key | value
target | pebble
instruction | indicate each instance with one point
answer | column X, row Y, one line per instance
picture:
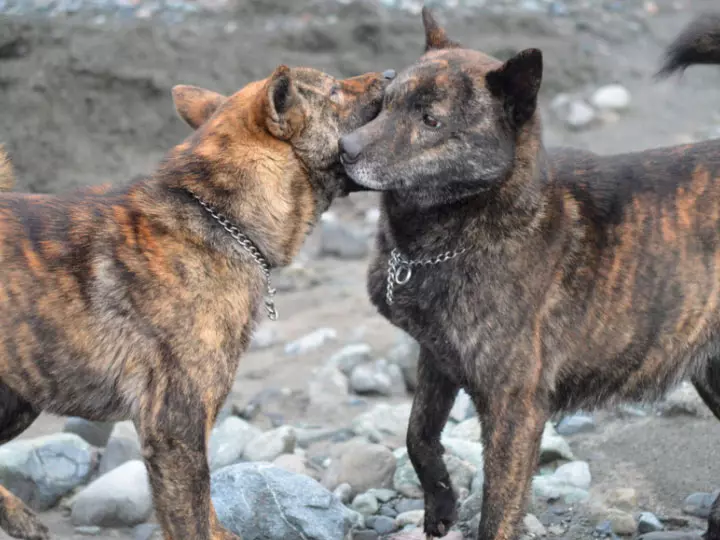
column 366, row 534
column 351, row 356
column 613, row 97
column 383, row 495
column 576, row 473
column 328, row 387
column 228, row 441
column 671, row 535
column 383, row 422
column 622, row 498
column 378, row 378
column 361, row 464
column 310, row 342
column 569, row 482
column 271, row 444
column 88, row 530
column 553, row 446
column 264, row 337
column 120, row 498
column 579, row 115
column 259, row 500
column 413, row 517
column 621, row 522
column 467, row 430
column 42, row 470
column 123, row 446
column 699, row 504
column 648, row 522
column 365, row 504
column 576, row 423
column 381, row 524
column 295, row 463
column 340, row 240
column 683, row 401
column 406, row 505
column 533, row 526
column 470, row 507
column 469, row 451
column 344, row 493
column 95, row 433
column 147, row 531
column 405, row 355
column 462, row 408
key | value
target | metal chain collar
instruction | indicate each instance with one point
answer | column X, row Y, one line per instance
column 400, row 269
column 250, row 248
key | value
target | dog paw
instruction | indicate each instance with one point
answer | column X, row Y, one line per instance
column 440, row 513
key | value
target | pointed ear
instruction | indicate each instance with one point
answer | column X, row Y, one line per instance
column 435, row 35
column 195, row 105
column 282, row 97
column 517, row 82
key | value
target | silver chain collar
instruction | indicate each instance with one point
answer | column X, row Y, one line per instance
column 250, row 248
column 400, row 269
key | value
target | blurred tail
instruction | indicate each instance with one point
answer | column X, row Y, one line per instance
column 698, row 43
column 7, row 176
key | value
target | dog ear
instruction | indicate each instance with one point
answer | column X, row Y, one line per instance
column 435, row 35
column 282, row 98
column 195, row 105
column 517, row 82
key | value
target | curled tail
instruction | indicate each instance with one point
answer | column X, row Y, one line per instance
column 698, row 43
column 7, row 176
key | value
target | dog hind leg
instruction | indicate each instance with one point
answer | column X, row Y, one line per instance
column 16, row 519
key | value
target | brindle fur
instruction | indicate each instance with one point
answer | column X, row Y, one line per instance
column 134, row 303
column 586, row 279
column 7, row 176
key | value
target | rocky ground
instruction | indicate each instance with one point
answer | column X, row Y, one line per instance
column 324, row 394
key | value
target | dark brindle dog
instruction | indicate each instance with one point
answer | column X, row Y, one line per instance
column 537, row 282
column 137, row 302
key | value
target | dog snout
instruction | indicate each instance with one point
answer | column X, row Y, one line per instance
column 389, row 74
column 350, row 149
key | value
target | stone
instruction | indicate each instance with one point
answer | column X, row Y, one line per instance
column 264, row 337
column 365, row 504
column 699, row 504
column 259, row 500
column 576, row 423
column 570, row 483
column 381, row 524
column 362, row 465
column 383, row 495
column 418, row 534
column 340, row 240
column 383, row 422
column 42, row 470
column 575, row 473
column 405, row 355
column 271, row 444
column 622, row 498
column 462, row 408
column 351, row 356
column 328, row 387
column 671, row 535
column 366, row 534
column 648, row 522
column 471, row 452
column 413, row 517
column 683, row 401
column 406, row 482
column 579, row 115
column 228, row 441
column 344, row 493
column 553, row 446
column 613, row 97
column 123, row 446
column 621, row 522
column 95, row 433
column 378, row 378
column 353, row 520
column 294, row 464
column 533, row 527
column 120, row 498
column 310, row 342
column 470, row 507
column 147, row 531
column 467, row 430
column 478, row 482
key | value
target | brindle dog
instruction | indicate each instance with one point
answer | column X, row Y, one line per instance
column 137, row 302
column 538, row 282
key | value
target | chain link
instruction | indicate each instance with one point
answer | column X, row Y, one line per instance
column 400, row 269
column 250, row 248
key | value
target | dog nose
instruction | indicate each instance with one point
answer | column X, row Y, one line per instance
column 389, row 74
column 350, row 149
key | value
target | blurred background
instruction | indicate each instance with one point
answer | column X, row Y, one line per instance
column 325, row 391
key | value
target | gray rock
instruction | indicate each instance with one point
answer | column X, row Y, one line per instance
column 413, row 517
column 295, row 463
column 462, row 408
column 406, row 505
column 405, row 355
column 671, row 535
column 367, row 534
column 328, row 387
column 362, row 465
column 96, row 433
column 42, row 470
column 553, row 446
column 88, row 531
column 340, row 240
column 383, row 495
column 648, row 522
column 271, row 444
column 471, row 452
column 579, row 115
column 307, row 436
column 533, row 526
column 470, row 507
column 353, row 520
column 570, row 483
column 351, row 356
column 344, row 493
column 260, row 501
column 613, row 97
column 147, row 531
column 683, row 401
column 310, row 342
column 478, row 482
column 381, row 524
column 699, row 504
column 377, row 378
column 383, row 422
column 575, row 473
column 576, row 423
column 621, row 522
column 406, row 482
column 228, row 441
column 123, row 446
column 467, row 430
column 388, row 510
column 120, row 498
column 264, row 337
column 366, row 504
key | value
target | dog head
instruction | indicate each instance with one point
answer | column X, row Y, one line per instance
column 268, row 155
column 450, row 125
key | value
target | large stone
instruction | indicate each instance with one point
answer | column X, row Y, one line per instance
column 351, row 356
column 96, row 433
column 468, row 430
column 271, row 444
column 570, row 482
column 42, row 470
column 261, row 502
column 120, row 498
column 360, row 464
column 699, row 504
column 123, row 445
column 383, row 422
column 228, row 441
column 405, row 355
column 366, row 504
column 553, row 446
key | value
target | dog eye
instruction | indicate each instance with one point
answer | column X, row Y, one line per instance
column 431, row 122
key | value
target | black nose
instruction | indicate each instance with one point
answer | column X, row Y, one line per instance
column 389, row 74
column 350, row 149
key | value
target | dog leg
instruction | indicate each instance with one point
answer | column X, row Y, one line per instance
column 16, row 519
column 174, row 427
column 434, row 397
column 512, row 428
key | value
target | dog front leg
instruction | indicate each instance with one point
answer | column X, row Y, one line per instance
column 174, row 435
column 512, row 427
column 434, row 397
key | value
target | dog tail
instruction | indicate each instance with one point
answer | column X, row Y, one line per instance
column 7, row 175
column 698, row 43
